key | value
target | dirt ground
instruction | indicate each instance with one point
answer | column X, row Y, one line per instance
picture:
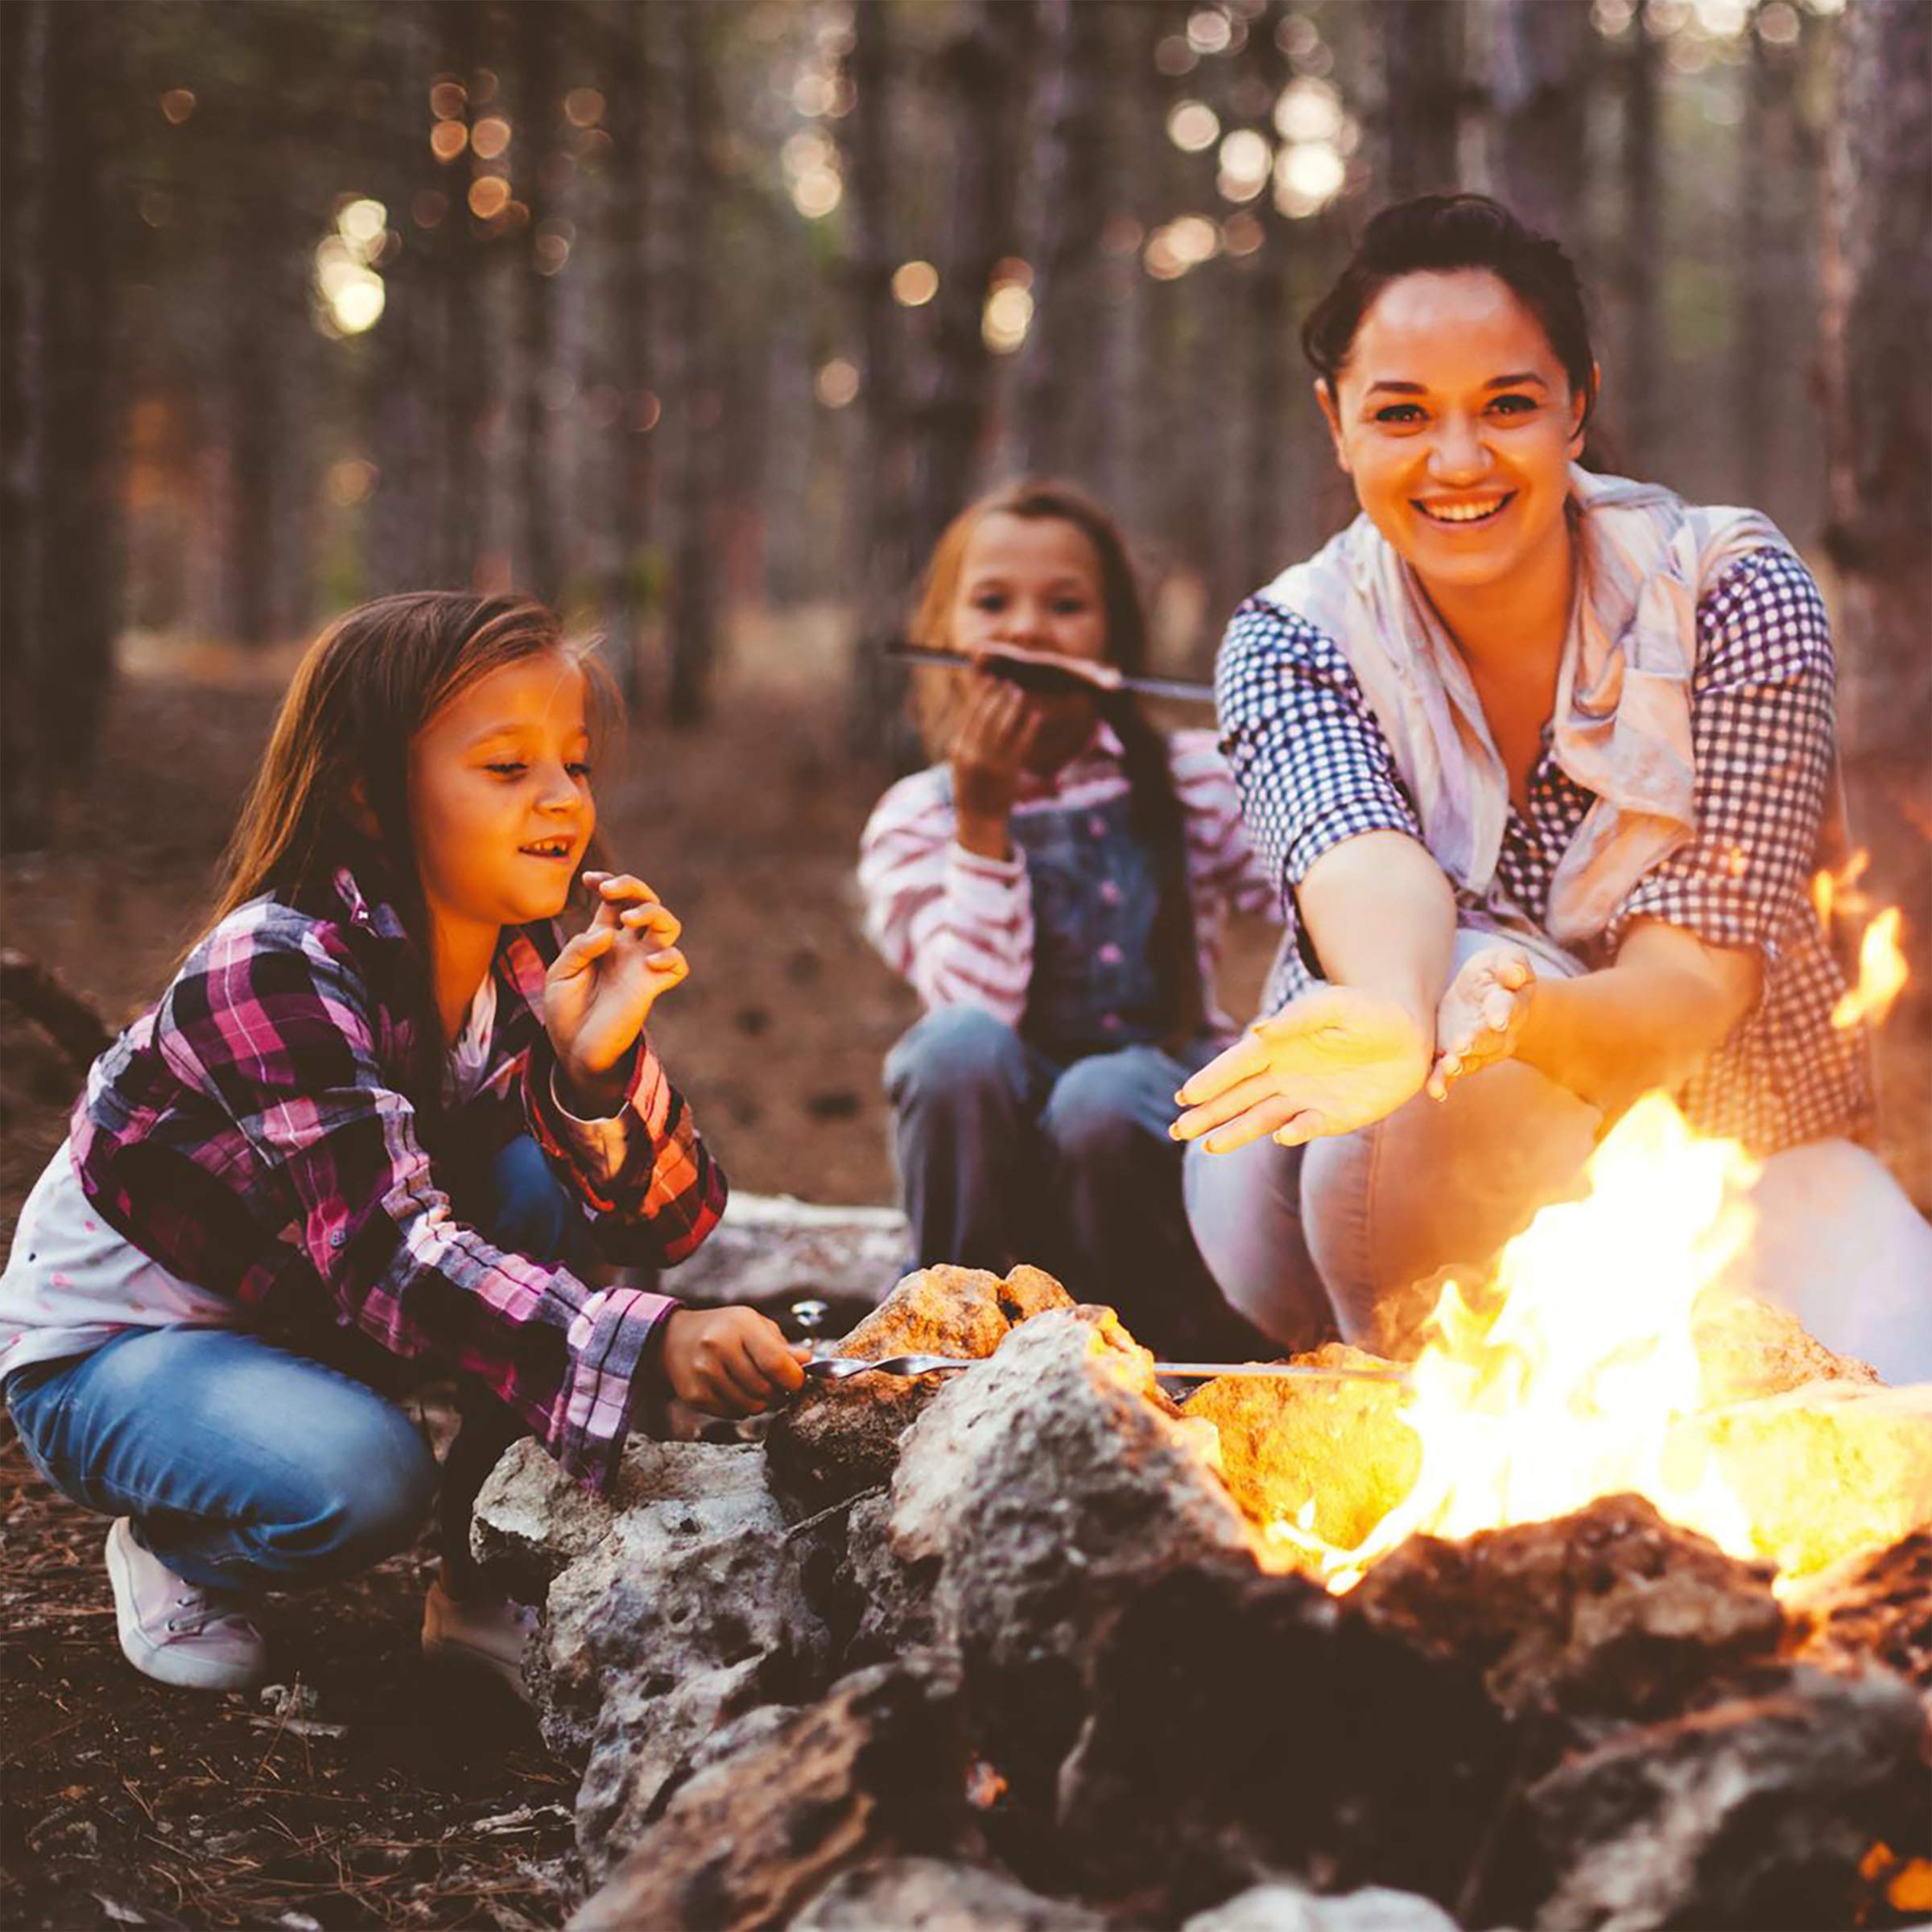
column 391, row 1798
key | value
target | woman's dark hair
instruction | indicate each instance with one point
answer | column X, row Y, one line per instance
column 1445, row 231
column 1154, row 810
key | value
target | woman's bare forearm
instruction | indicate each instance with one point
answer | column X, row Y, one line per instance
column 1381, row 918
column 1643, row 1023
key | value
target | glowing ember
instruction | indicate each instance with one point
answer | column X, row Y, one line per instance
column 1881, row 974
column 1566, row 1379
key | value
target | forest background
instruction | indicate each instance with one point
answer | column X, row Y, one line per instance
column 700, row 318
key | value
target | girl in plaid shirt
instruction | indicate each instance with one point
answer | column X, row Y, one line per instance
column 1540, row 759
column 384, row 1114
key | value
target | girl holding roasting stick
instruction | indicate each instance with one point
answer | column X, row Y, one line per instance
column 1539, row 758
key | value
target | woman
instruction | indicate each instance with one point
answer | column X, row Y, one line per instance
column 1540, row 758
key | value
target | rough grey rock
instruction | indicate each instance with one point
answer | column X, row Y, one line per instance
column 894, row 1601
column 934, row 1895
column 1752, row 1813
column 1278, row 1907
column 771, row 1247
column 678, row 1588
column 1874, row 1608
column 645, row 1737
column 837, row 1439
column 532, row 1521
column 1035, row 1491
column 875, row 1769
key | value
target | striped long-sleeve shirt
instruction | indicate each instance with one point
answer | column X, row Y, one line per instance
column 249, row 1133
column 960, row 928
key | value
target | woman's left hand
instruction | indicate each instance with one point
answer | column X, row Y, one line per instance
column 1481, row 1016
column 602, row 986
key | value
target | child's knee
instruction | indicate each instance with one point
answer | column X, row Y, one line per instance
column 955, row 1054
column 360, row 1498
column 1090, row 1121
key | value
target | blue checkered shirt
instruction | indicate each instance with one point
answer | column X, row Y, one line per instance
column 1314, row 768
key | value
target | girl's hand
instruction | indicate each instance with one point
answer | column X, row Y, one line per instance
column 1481, row 1016
column 997, row 724
column 603, row 984
column 730, row 1361
column 1334, row 1060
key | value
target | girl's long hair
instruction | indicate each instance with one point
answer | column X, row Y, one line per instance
column 332, row 788
column 1154, row 810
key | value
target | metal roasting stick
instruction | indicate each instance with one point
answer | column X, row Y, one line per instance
column 1077, row 674
column 840, row 1368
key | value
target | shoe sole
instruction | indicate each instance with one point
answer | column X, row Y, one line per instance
column 168, row 1663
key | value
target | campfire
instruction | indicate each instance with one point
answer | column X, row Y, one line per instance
column 1614, row 1610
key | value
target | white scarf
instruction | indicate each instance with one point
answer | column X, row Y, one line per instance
column 1621, row 726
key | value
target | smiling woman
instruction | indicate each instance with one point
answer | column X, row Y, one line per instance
column 1539, row 759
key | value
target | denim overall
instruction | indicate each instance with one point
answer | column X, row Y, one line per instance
column 1049, row 1144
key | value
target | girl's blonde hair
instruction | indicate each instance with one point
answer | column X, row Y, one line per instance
column 1155, row 810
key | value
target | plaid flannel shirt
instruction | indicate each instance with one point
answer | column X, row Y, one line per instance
column 249, row 1133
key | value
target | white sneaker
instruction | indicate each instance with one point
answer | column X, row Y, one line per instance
column 491, row 1633
column 175, row 1631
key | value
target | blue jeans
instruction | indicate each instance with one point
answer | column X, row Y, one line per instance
column 246, row 1466
column 1006, row 1155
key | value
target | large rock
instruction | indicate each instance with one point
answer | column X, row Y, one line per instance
column 1243, row 1726
column 531, row 1520
column 1753, row 1813
column 1284, row 1907
column 1035, row 1492
column 876, row 1769
column 1608, row 1614
column 837, row 1439
column 1828, row 1470
column 1747, row 1348
column 932, row 1895
column 1340, row 1446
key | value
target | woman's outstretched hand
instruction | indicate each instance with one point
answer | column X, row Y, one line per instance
column 602, row 986
column 1481, row 1016
column 730, row 1361
column 1334, row 1060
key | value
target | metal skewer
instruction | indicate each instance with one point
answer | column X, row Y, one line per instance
column 841, row 1367
column 1077, row 674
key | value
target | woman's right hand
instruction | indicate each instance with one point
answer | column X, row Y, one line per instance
column 997, row 724
column 730, row 1361
column 1334, row 1060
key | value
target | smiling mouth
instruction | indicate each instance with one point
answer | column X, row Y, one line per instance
column 1463, row 516
column 549, row 848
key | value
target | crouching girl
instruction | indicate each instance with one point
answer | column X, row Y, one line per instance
column 382, row 1115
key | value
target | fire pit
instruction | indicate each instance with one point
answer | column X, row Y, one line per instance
column 1618, row 1614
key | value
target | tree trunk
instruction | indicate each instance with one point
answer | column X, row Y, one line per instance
column 539, row 23
column 28, row 765
column 464, row 385
column 1270, row 311
column 1878, row 319
column 980, row 67
column 1637, row 408
column 1541, row 96
column 1422, row 95
column 1052, row 431
column 692, row 403
column 883, row 562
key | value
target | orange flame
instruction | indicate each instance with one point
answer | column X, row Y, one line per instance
column 1569, row 1381
column 1881, row 974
